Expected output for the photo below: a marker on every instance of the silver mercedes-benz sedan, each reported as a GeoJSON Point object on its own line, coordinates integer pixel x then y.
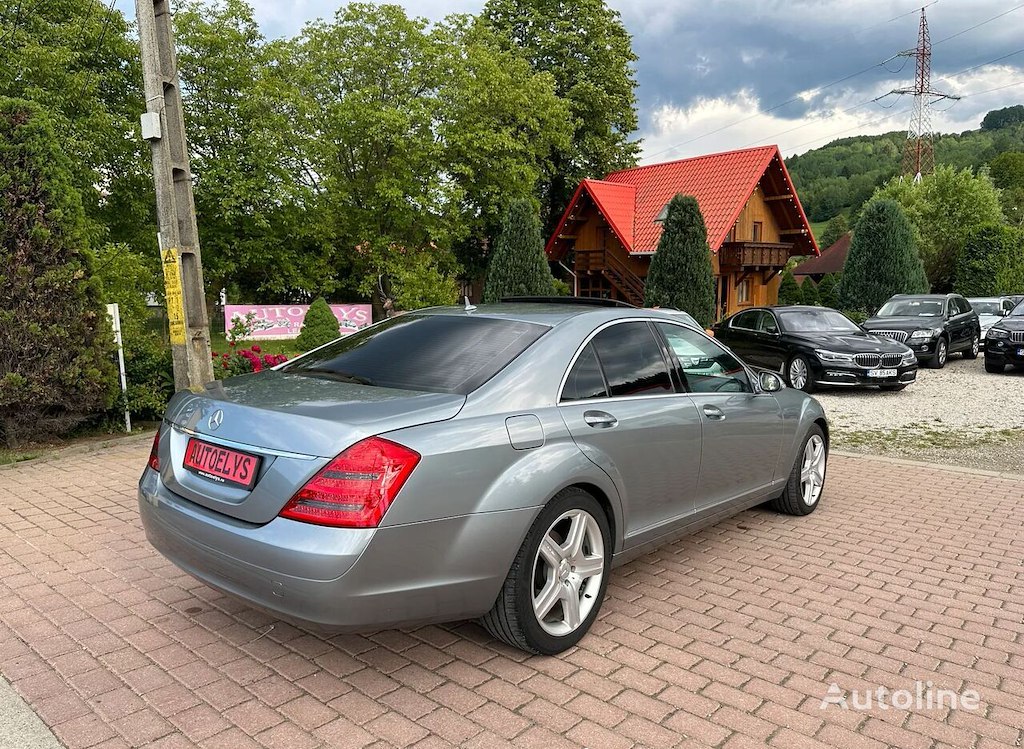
{"type": "Point", "coordinates": [491, 462]}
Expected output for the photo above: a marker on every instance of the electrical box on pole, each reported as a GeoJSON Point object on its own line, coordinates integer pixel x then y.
{"type": "Point", "coordinates": [163, 125]}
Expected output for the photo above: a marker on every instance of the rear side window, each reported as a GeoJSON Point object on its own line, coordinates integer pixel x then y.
{"type": "Point", "coordinates": [632, 361]}
{"type": "Point", "coordinates": [434, 353]}
{"type": "Point", "coordinates": [585, 379]}
{"type": "Point", "coordinates": [746, 320]}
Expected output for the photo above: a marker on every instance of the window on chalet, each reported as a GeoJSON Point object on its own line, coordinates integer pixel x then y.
{"type": "Point", "coordinates": [757, 231]}
{"type": "Point", "coordinates": [743, 292]}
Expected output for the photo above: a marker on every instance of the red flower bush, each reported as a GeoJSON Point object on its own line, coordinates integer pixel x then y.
{"type": "Point", "coordinates": [245, 360]}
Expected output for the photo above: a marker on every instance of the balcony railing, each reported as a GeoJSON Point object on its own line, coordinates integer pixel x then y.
{"type": "Point", "coordinates": [753, 255]}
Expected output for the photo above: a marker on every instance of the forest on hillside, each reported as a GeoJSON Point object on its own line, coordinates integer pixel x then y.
{"type": "Point", "coordinates": [841, 176]}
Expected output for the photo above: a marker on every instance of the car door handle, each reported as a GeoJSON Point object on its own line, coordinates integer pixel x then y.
{"type": "Point", "coordinates": [714, 413]}
{"type": "Point", "coordinates": [599, 419]}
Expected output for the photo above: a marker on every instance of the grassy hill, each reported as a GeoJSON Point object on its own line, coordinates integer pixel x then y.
{"type": "Point", "coordinates": [841, 176]}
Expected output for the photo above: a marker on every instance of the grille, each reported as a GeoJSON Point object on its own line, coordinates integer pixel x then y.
{"type": "Point", "coordinates": [870, 361]}
{"type": "Point", "coordinates": [1017, 336]}
{"type": "Point", "coordinates": [896, 335]}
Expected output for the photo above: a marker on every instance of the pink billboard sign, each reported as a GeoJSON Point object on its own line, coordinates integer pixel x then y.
{"type": "Point", "coordinates": [285, 320]}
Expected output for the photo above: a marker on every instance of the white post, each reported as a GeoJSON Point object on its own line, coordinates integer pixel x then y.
{"type": "Point", "coordinates": [115, 318]}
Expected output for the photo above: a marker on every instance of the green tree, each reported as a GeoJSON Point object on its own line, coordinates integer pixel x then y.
{"type": "Point", "coordinates": [128, 278]}
{"type": "Point", "coordinates": [809, 293]}
{"type": "Point", "coordinates": [681, 275]}
{"type": "Point", "coordinates": [828, 288]}
{"type": "Point", "coordinates": [248, 189]}
{"type": "Point", "coordinates": [56, 343]}
{"type": "Point", "coordinates": [883, 259]}
{"type": "Point", "coordinates": [77, 60]}
{"type": "Point", "coordinates": [585, 47]}
{"type": "Point", "coordinates": [943, 208]}
{"type": "Point", "coordinates": [1007, 171]}
{"type": "Point", "coordinates": [836, 227]}
{"type": "Point", "coordinates": [1000, 118]}
{"type": "Point", "coordinates": [518, 266]}
{"type": "Point", "coordinates": [992, 262]}
{"type": "Point", "coordinates": [320, 326]}
{"type": "Point", "coordinates": [789, 290]}
{"type": "Point", "coordinates": [500, 124]}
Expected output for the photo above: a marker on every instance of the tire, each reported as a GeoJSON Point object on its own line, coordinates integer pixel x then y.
{"type": "Point", "coordinates": [802, 375]}
{"type": "Point", "coordinates": [938, 361]}
{"type": "Point", "coordinates": [794, 500]}
{"type": "Point", "coordinates": [893, 388]}
{"type": "Point", "coordinates": [992, 368]}
{"type": "Point", "coordinates": [972, 352]}
{"type": "Point", "coordinates": [514, 618]}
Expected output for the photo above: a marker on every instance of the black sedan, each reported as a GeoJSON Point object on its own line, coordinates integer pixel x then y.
{"type": "Point", "coordinates": [814, 346]}
{"type": "Point", "coordinates": [1005, 342]}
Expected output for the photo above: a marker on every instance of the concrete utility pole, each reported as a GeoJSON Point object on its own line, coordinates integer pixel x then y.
{"type": "Point", "coordinates": [163, 125]}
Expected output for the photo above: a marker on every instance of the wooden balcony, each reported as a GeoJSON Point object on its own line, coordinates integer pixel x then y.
{"type": "Point", "coordinates": [754, 255]}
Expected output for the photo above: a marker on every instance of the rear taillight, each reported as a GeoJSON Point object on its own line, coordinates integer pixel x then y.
{"type": "Point", "coordinates": [154, 453]}
{"type": "Point", "coordinates": [356, 488]}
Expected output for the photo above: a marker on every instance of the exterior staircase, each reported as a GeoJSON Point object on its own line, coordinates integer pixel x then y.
{"type": "Point", "coordinates": [625, 281]}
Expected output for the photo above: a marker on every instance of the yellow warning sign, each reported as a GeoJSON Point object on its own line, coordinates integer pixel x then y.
{"type": "Point", "coordinates": [175, 300]}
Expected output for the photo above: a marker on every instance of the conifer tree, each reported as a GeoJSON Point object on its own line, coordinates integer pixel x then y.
{"type": "Point", "coordinates": [320, 326]}
{"type": "Point", "coordinates": [789, 290]}
{"type": "Point", "coordinates": [883, 259]}
{"type": "Point", "coordinates": [518, 266]}
{"type": "Point", "coordinates": [680, 275]}
{"type": "Point", "coordinates": [56, 343]}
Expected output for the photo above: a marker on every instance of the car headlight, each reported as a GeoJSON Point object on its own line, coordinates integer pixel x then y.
{"type": "Point", "coordinates": [998, 333]}
{"type": "Point", "coordinates": [925, 333]}
{"type": "Point", "coordinates": [909, 357]}
{"type": "Point", "coordinates": [834, 356]}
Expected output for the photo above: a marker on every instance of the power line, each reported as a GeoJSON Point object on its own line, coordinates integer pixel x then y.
{"type": "Point", "coordinates": [878, 99]}
{"type": "Point", "coordinates": [817, 90]}
{"type": "Point", "coordinates": [895, 114]}
{"type": "Point", "coordinates": [982, 23]}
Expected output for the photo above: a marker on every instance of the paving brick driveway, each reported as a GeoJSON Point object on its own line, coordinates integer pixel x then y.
{"type": "Point", "coordinates": [730, 638]}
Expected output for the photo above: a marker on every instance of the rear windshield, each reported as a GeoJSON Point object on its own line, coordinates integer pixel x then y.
{"type": "Point", "coordinates": [435, 353]}
{"type": "Point", "coordinates": [911, 308]}
{"type": "Point", "coordinates": [986, 306]}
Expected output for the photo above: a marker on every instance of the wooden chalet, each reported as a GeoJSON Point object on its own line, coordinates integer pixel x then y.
{"type": "Point", "coordinates": [755, 223]}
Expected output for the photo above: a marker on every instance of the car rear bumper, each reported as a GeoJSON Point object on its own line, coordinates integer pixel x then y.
{"type": "Point", "coordinates": [855, 377]}
{"type": "Point", "coordinates": [339, 579]}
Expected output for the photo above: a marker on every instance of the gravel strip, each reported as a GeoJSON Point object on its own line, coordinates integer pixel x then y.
{"type": "Point", "coordinates": [959, 415]}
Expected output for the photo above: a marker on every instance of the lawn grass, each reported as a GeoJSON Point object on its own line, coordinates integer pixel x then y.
{"type": "Point", "coordinates": [219, 344]}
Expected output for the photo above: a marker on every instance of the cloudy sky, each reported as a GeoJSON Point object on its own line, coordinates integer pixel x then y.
{"type": "Point", "coordinates": [715, 75]}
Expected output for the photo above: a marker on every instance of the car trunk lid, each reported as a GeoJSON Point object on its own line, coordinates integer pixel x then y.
{"type": "Point", "coordinates": [292, 424]}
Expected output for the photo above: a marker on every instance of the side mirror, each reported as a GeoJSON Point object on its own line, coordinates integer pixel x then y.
{"type": "Point", "coordinates": [770, 382]}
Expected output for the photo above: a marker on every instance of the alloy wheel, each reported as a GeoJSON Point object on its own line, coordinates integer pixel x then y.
{"type": "Point", "coordinates": [797, 374]}
{"type": "Point", "coordinates": [941, 351]}
{"type": "Point", "coordinates": [812, 470]}
{"type": "Point", "coordinates": [567, 572]}
{"type": "Point", "coordinates": [975, 346]}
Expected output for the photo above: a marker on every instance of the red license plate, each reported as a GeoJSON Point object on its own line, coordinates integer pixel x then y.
{"type": "Point", "coordinates": [221, 464]}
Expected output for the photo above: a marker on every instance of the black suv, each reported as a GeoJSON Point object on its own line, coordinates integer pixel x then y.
{"type": "Point", "coordinates": [933, 325]}
{"type": "Point", "coordinates": [1005, 342]}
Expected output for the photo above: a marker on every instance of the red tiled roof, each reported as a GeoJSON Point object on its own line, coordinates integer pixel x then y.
{"type": "Point", "coordinates": [831, 259]}
{"type": "Point", "coordinates": [617, 203]}
{"type": "Point", "coordinates": [722, 183]}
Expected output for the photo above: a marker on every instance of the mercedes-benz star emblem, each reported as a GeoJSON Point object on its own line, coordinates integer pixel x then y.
{"type": "Point", "coordinates": [216, 419]}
